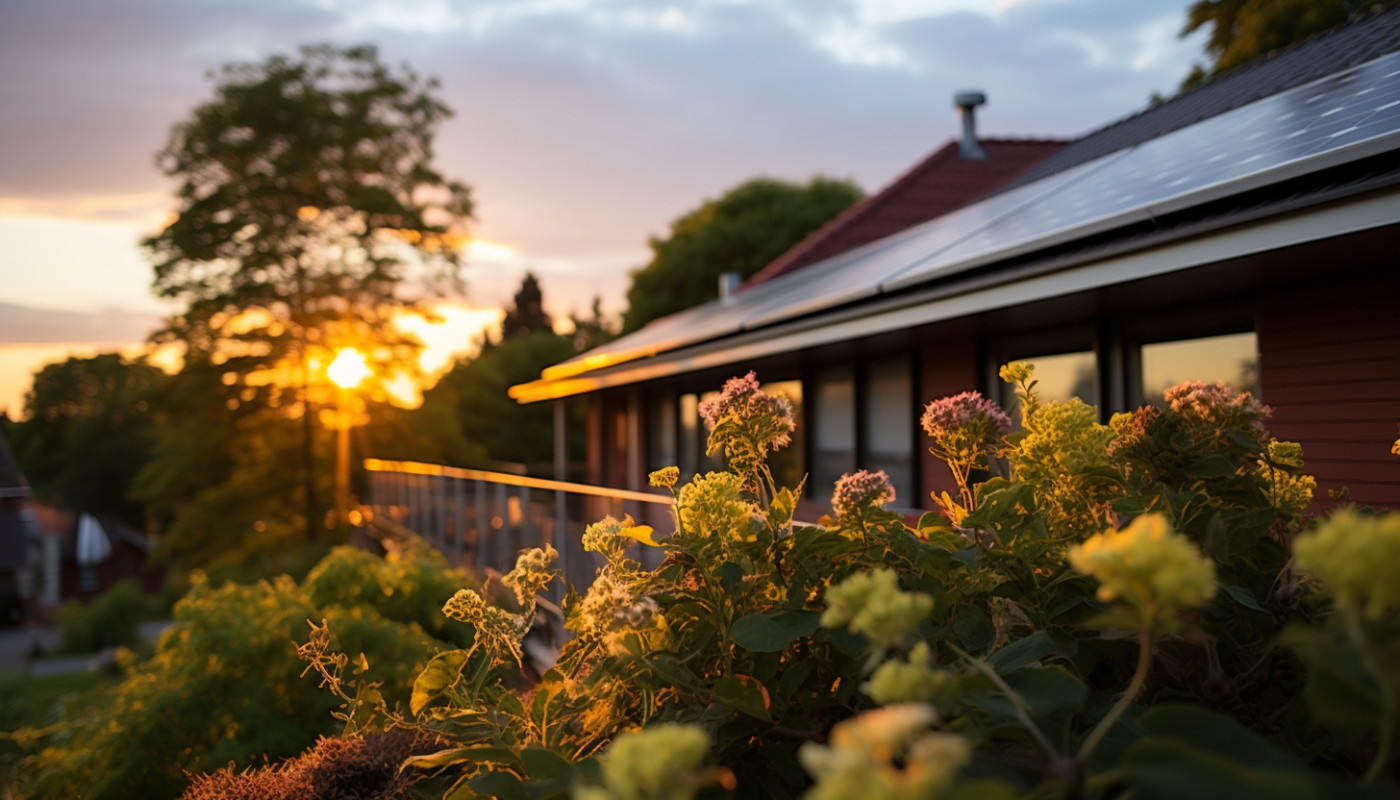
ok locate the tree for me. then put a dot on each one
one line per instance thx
(88, 429)
(749, 226)
(526, 315)
(307, 192)
(1243, 30)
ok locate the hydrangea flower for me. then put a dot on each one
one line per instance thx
(860, 491)
(660, 762)
(965, 426)
(1149, 566)
(746, 423)
(1355, 557)
(872, 603)
(885, 754)
(1209, 410)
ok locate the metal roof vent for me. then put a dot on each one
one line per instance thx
(967, 101)
(729, 284)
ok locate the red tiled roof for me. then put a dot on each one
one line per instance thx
(935, 186)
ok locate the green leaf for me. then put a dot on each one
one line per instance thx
(731, 577)
(542, 763)
(1341, 693)
(1242, 596)
(1213, 466)
(742, 693)
(793, 677)
(771, 633)
(1022, 652)
(1215, 733)
(981, 790)
(1170, 769)
(1048, 690)
(780, 511)
(974, 629)
(456, 755)
(501, 785)
(440, 673)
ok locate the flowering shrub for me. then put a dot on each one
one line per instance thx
(1098, 614)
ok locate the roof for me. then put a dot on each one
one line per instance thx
(1262, 142)
(933, 187)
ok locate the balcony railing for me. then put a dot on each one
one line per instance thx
(482, 520)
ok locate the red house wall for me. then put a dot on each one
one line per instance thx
(1329, 358)
(948, 364)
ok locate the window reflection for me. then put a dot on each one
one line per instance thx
(1058, 378)
(1233, 358)
(789, 464)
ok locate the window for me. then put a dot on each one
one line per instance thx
(1058, 377)
(834, 431)
(661, 434)
(789, 464)
(888, 424)
(1232, 358)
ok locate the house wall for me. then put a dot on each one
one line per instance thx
(1330, 368)
(949, 363)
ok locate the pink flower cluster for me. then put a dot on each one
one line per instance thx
(946, 418)
(1216, 405)
(861, 490)
(743, 399)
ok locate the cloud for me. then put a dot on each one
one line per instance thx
(585, 126)
(21, 324)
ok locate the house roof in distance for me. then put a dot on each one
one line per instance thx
(940, 183)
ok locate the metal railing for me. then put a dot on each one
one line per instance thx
(482, 520)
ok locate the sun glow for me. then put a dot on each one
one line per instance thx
(349, 369)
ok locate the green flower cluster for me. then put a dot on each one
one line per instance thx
(659, 762)
(912, 681)
(533, 571)
(1355, 555)
(872, 603)
(1148, 565)
(1062, 442)
(885, 754)
(497, 631)
(711, 504)
(1290, 489)
(606, 537)
(665, 478)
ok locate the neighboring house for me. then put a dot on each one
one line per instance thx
(1245, 231)
(19, 542)
(48, 556)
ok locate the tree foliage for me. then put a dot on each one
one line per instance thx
(1239, 31)
(306, 191)
(526, 314)
(743, 230)
(307, 199)
(88, 428)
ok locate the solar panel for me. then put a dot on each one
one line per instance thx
(816, 288)
(1350, 115)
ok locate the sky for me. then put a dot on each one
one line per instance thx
(582, 126)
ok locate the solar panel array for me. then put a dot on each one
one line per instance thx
(1350, 115)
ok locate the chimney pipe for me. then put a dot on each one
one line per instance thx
(728, 284)
(967, 101)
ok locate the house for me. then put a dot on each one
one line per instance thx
(1245, 231)
(48, 555)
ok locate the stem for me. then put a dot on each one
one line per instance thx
(1017, 702)
(1388, 700)
(1134, 687)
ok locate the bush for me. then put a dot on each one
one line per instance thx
(1098, 616)
(225, 685)
(359, 768)
(112, 619)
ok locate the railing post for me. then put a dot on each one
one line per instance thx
(459, 520)
(441, 515)
(501, 543)
(525, 527)
(482, 536)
